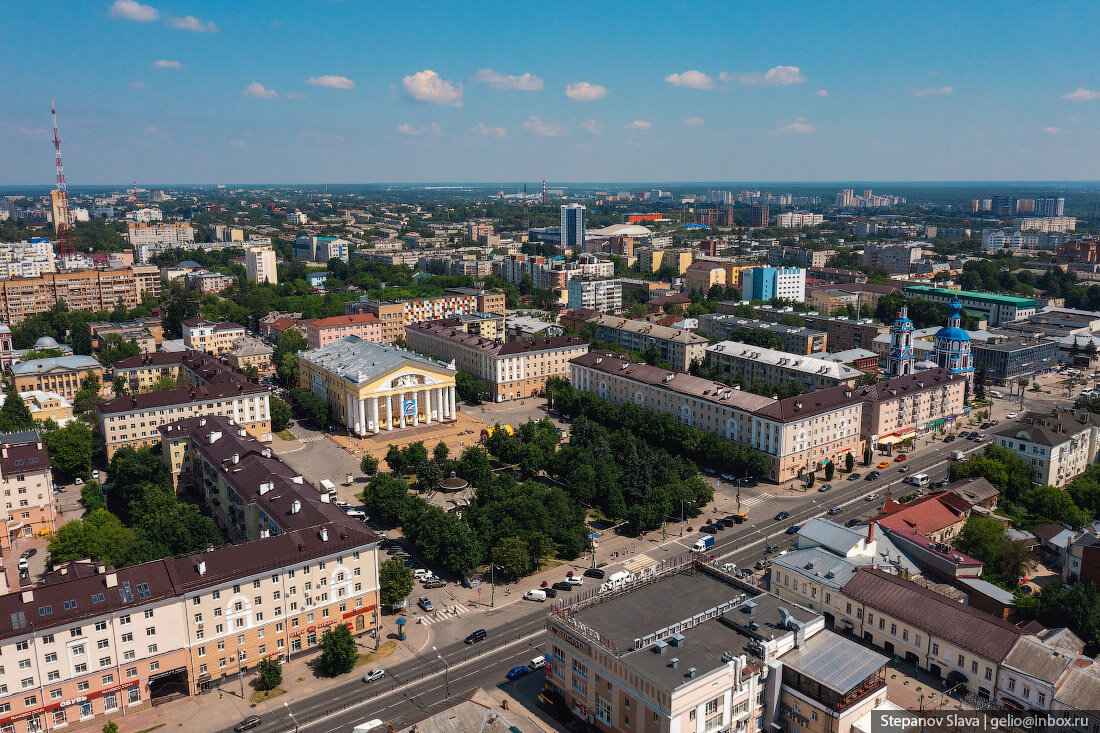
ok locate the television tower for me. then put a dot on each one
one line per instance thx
(62, 221)
(544, 191)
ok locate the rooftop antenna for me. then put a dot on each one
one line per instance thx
(63, 225)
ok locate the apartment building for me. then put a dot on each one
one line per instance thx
(743, 361)
(396, 314)
(31, 258)
(798, 220)
(147, 282)
(514, 370)
(765, 283)
(677, 346)
(250, 352)
(796, 339)
(45, 406)
(690, 649)
(212, 337)
(843, 333)
(702, 275)
(92, 290)
(27, 483)
(1058, 446)
(138, 233)
(805, 257)
(259, 265)
(652, 259)
(147, 333)
(321, 249)
(375, 386)
(916, 404)
(598, 293)
(206, 282)
(324, 331)
(891, 257)
(61, 374)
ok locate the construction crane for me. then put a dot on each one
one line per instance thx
(62, 221)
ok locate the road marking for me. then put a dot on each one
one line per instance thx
(444, 613)
(313, 439)
(639, 562)
(754, 500)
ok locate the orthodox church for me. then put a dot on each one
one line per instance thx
(950, 350)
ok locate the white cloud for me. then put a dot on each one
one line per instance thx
(1081, 95)
(166, 64)
(191, 23)
(240, 144)
(692, 121)
(524, 82)
(137, 85)
(546, 129)
(798, 127)
(822, 93)
(594, 127)
(131, 10)
(295, 96)
(151, 128)
(407, 129)
(35, 133)
(942, 91)
(482, 129)
(692, 79)
(428, 86)
(776, 76)
(1053, 130)
(583, 91)
(331, 81)
(638, 125)
(255, 89)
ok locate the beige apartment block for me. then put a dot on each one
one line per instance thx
(213, 338)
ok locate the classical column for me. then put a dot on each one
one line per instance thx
(427, 405)
(451, 397)
(374, 413)
(389, 412)
(416, 406)
(401, 407)
(362, 417)
(439, 403)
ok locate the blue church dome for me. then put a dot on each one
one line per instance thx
(955, 308)
(953, 334)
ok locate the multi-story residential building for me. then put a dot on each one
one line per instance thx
(678, 346)
(806, 257)
(1048, 224)
(324, 331)
(372, 386)
(27, 483)
(843, 333)
(27, 259)
(663, 671)
(206, 282)
(212, 337)
(573, 226)
(1008, 359)
(835, 275)
(702, 275)
(250, 352)
(765, 283)
(61, 374)
(796, 339)
(998, 309)
(513, 371)
(296, 217)
(48, 406)
(652, 259)
(321, 249)
(599, 293)
(147, 333)
(864, 297)
(91, 290)
(1050, 206)
(259, 265)
(747, 362)
(759, 215)
(1058, 446)
(146, 215)
(906, 407)
(206, 387)
(147, 282)
(395, 315)
(799, 220)
(138, 233)
(891, 257)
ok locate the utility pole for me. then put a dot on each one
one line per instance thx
(446, 672)
(291, 714)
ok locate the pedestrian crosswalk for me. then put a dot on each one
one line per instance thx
(442, 613)
(754, 500)
(639, 562)
(313, 439)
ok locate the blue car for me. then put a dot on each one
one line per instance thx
(516, 672)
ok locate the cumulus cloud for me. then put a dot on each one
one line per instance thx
(776, 76)
(331, 81)
(482, 129)
(166, 64)
(255, 89)
(1053, 130)
(594, 127)
(638, 125)
(934, 92)
(583, 91)
(692, 121)
(692, 79)
(137, 85)
(407, 129)
(191, 23)
(428, 86)
(1081, 95)
(798, 127)
(523, 82)
(822, 93)
(546, 129)
(240, 144)
(131, 10)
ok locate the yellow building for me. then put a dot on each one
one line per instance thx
(48, 406)
(213, 338)
(62, 375)
(251, 352)
(733, 271)
(373, 387)
(703, 275)
(651, 259)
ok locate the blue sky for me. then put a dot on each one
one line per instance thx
(196, 91)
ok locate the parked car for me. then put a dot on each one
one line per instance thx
(781, 516)
(434, 582)
(342, 504)
(825, 487)
(594, 573)
(949, 439)
(475, 637)
(1012, 415)
(95, 473)
(575, 580)
(851, 523)
(771, 548)
(422, 573)
(425, 603)
(252, 721)
(375, 674)
(30, 552)
(24, 565)
(550, 592)
(711, 528)
(984, 426)
(516, 672)
(78, 481)
(738, 518)
(562, 585)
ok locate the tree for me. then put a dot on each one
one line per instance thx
(369, 465)
(473, 465)
(130, 471)
(981, 377)
(280, 414)
(395, 459)
(849, 462)
(830, 469)
(867, 456)
(865, 379)
(471, 390)
(82, 339)
(110, 727)
(164, 384)
(91, 382)
(99, 536)
(338, 652)
(395, 581)
(92, 497)
(119, 384)
(440, 452)
(1022, 383)
(271, 674)
(285, 356)
(541, 545)
(70, 450)
(388, 498)
(811, 480)
(14, 414)
(512, 556)
(428, 476)
(113, 348)
(312, 408)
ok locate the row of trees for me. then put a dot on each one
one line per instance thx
(923, 313)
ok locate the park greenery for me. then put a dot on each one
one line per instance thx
(1006, 560)
(338, 651)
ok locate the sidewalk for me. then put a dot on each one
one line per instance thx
(223, 707)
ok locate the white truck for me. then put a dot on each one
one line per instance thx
(920, 479)
(327, 487)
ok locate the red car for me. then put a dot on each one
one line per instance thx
(900, 458)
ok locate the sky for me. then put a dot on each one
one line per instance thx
(351, 91)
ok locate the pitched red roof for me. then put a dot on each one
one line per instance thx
(924, 515)
(343, 320)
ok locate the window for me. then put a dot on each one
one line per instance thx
(27, 682)
(107, 679)
(813, 715)
(100, 625)
(55, 694)
(579, 686)
(83, 686)
(935, 648)
(148, 613)
(151, 631)
(603, 710)
(153, 649)
(81, 668)
(1012, 684)
(78, 650)
(962, 661)
(988, 673)
(110, 702)
(127, 638)
(50, 658)
(973, 667)
(133, 695)
(47, 639)
(128, 656)
(580, 669)
(103, 643)
(1042, 698)
(123, 620)
(893, 629)
(104, 661)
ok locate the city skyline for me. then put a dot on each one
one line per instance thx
(196, 93)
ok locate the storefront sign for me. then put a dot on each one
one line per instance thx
(569, 639)
(356, 612)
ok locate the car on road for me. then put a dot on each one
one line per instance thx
(475, 637)
(949, 439)
(854, 477)
(434, 582)
(375, 674)
(1012, 415)
(851, 523)
(425, 603)
(516, 672)
(562, 585)
(870, 497)
(834, 510)
(793, 529)
(905, 469)
(825, 487)
(594, 573)
(575, 580)
(984, 426)
(781, 516)
(30, 553)
(884, 464)
(738, 518)
(771, 548)
(252, 721)
(95, 473)
(871, 476)
(900, 458)
(710, 528)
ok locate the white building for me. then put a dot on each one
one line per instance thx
(765, 283)
(259, 264)
(598, 293)
(798, 219)
(296, 217)
(27, 259)
(572, 226)
(147, 215)
(1058, 446)
(891, 257)
(1049, 224)
(138, 233)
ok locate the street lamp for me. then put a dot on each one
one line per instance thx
(446, 672)
(291, 714)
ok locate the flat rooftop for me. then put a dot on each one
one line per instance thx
(834, 661)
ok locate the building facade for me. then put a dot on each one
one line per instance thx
(744, 361)
(321, 249)
(48, 406)
(211, 337)
(765, 283)
(324, 331)
(250, 352)
(1008, 359)
(899, 408)
(395, 315)
(796, 339)
(27, 483)
(1058, 446)
(62, 375)
(598, 293)
(92, 290)
(997, 309)
(157, 233)
(259, 265)
(677, 346)
(573, 226)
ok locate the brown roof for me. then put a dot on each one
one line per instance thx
(25, 458)
(910, 384)
(344, 320)
(1048, 532)
(446, 329)
(542, 344)
(670, 299)
(1050, 429)
(924, 515)
(182, 396)
(704, 266)
(160, 358)
(968, 628)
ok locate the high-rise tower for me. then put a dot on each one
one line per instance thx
(59, 198)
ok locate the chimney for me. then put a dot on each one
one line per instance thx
(236, 458)
(870, 532)
(295, 507)
(201, 567)
(112, 580)
(324, 535)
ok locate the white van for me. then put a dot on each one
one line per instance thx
(537, 664)
(368, 726)
(620, 578)
(535, 595)
(920, 479)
